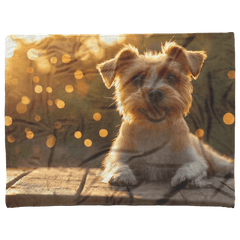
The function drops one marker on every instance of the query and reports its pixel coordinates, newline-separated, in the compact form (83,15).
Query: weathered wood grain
(46,187)
(79,186)
(14,174)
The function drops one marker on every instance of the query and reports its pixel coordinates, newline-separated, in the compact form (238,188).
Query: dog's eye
(137,80)
(172,79)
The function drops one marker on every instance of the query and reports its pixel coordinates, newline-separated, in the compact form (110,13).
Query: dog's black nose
(155,95)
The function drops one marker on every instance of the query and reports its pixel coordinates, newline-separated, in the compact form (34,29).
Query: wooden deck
(83,186)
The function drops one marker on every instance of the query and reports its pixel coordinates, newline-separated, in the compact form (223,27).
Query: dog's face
(153,90)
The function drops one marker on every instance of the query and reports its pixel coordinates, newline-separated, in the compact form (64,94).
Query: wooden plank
(46,187)
(14,174)
(96,192)
(221,193)
(155,193)
(78,186)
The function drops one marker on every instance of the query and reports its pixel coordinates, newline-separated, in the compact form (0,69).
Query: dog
(153,93)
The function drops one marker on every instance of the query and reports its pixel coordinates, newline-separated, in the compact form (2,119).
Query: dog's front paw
(122,177)
(195,179)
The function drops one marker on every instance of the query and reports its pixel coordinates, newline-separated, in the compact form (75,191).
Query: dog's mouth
(155,119)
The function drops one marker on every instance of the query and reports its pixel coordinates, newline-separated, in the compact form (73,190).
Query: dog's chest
(153,145)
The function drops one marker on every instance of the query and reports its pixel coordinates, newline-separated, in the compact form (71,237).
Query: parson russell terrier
(153,93)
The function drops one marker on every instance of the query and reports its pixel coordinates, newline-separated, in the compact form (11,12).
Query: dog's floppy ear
(108,70)
(192,59)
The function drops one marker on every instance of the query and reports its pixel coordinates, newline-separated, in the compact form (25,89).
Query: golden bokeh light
(26,100)
(60,104)
(97,116)
(37,118)
(43,65)
(228,118)
(36,79)
(32,54)
(78,74)
(88,143)
(199,132)
(51,140)
(57,125)
(53,60)
(8,121)
(82,87)
(38,89)
(66,58)
(49,89)
(91,74)
(30,70)
(69,88)
(11,138)
(231,74)
(103,133)
(29,135)
(27,129)
(77,134)
(49,102)
(21,108)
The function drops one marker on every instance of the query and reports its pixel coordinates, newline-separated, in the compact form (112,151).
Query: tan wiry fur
(153,92)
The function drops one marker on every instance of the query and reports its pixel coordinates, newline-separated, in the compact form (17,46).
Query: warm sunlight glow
(8,121)
(38,89)
(36,79)
(11,138)
(37,118)
(69,88)
(88,143)
(228,118)
(49,102)
(30,70)
(231,74)
(43,65)
(103,133)
(29,135)
(32,54)
(66,58)
(51,140)
(199,132)
(97,116)
(27,129)
(26,100)
(78,74)
(53,60)
(57,125)
(77,134)
(21,108)
(49,89)
(60,104)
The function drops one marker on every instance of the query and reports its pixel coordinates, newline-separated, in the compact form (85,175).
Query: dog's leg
(194,170)
(117,171)
(119,175)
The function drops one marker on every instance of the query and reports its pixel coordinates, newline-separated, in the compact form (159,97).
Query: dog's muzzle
(144,111)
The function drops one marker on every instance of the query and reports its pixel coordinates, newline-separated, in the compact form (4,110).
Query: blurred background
(58,112)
